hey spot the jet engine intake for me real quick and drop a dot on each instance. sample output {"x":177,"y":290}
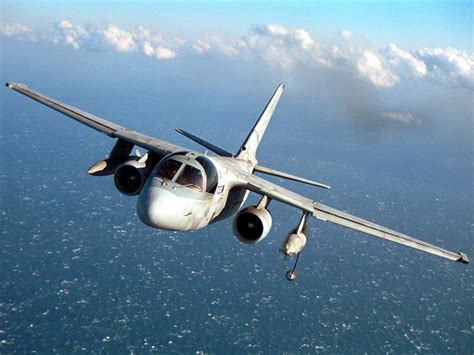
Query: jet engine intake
{"x":252,"y":224}
{"x":130,"y":177}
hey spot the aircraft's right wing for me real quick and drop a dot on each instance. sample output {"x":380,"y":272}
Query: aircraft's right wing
{"x":99,"y":124}
{"x":326,"y":213}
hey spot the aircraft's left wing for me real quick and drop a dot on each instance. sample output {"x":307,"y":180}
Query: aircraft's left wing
{"x":99,"y":124}
{"x":329,"y":214}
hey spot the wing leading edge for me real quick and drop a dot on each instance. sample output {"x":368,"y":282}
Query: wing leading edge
{"x":99,"y":124}
{"x":329,"y":214}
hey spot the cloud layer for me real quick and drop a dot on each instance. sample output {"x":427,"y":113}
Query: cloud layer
{"x":276,"y":46}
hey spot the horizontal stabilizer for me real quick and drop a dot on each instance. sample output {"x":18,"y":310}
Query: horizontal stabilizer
{"x":210,"y":146}
{"x":268,"y":171}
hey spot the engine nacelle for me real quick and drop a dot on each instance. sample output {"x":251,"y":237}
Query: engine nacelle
{"x":130,"y":177}
{"x":252,"y":224}
{"x":107,"y":166}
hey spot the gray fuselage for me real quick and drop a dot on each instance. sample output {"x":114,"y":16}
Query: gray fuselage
{"x":168,"y":201}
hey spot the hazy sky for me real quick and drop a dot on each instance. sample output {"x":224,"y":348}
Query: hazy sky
{"x":379,"y":64}
{"x":407,"y":23}
{"x":382,"y":42}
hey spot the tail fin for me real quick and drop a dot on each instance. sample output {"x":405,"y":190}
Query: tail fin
{"x":248,"y":150}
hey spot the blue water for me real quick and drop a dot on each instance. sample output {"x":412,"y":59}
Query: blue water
{"x":79,"y":272}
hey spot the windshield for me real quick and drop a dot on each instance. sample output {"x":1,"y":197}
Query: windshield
{"x":191,"y":177}
{"x":169,"y":169}
{"x":211,"y":173}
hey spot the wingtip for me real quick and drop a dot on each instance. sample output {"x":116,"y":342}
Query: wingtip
{"x":324,"y":186}
{"x":13,"y":85}
{"x":463,"y":258}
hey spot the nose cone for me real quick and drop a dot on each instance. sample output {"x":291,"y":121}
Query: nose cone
{"x":160,"y":208}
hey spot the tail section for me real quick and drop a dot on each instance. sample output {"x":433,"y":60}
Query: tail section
{"x":248,"y":150}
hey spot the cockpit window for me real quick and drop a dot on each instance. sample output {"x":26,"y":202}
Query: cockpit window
{"x":169,"y":169}
{"x":211,"y":173}
{"x":191,"y":177}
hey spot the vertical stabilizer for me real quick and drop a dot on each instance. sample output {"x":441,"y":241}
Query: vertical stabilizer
{"x":248,"y":150}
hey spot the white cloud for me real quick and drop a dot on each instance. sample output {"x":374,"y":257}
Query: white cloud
{"x":159,"y":52}
{"x":148,"y":49}
{"x":142,"y":33}
{"x":13,"y":29}
{"x":449,"y":65}
{"x":112,"y":38}
{"x":275,"y":30}
{"x":164,"y":53}
{"x":121,"y":40}
{"x":404,"y":63}
{"x":345,"y":34}
{"x":68,"y":34}
{"x":370,"y":66}
{"x":281,"y":36}
{"x":303,"y":38}
{"x":277,"y":46}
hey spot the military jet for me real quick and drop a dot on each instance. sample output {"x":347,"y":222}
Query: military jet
{"x":183,"y":190}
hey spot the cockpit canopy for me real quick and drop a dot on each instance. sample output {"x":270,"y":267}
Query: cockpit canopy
{"x":190,"y":170}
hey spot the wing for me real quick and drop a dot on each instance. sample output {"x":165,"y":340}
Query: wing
{"x":329,"y":214}
{"x":99,"y":124}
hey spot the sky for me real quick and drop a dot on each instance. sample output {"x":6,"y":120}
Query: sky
{"x":383,"y":61}
{"x":378,"y":104}
{"x":410,"y":24}
{"x":384,"y":43}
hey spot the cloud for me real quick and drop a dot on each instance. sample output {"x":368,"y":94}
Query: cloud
{"x":14,"y":29}
{"x":404,"y":63}
{"x":345,"y":34}
{"x":282,"y":48}
{"x":450,"y":66}
{"x":159,"y":52}
{"x":278,"y":47}
{"x":370,"y":66}
{"x":110,"y":38}
{"x":68,"y":34}
{"x":121,"y":40}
